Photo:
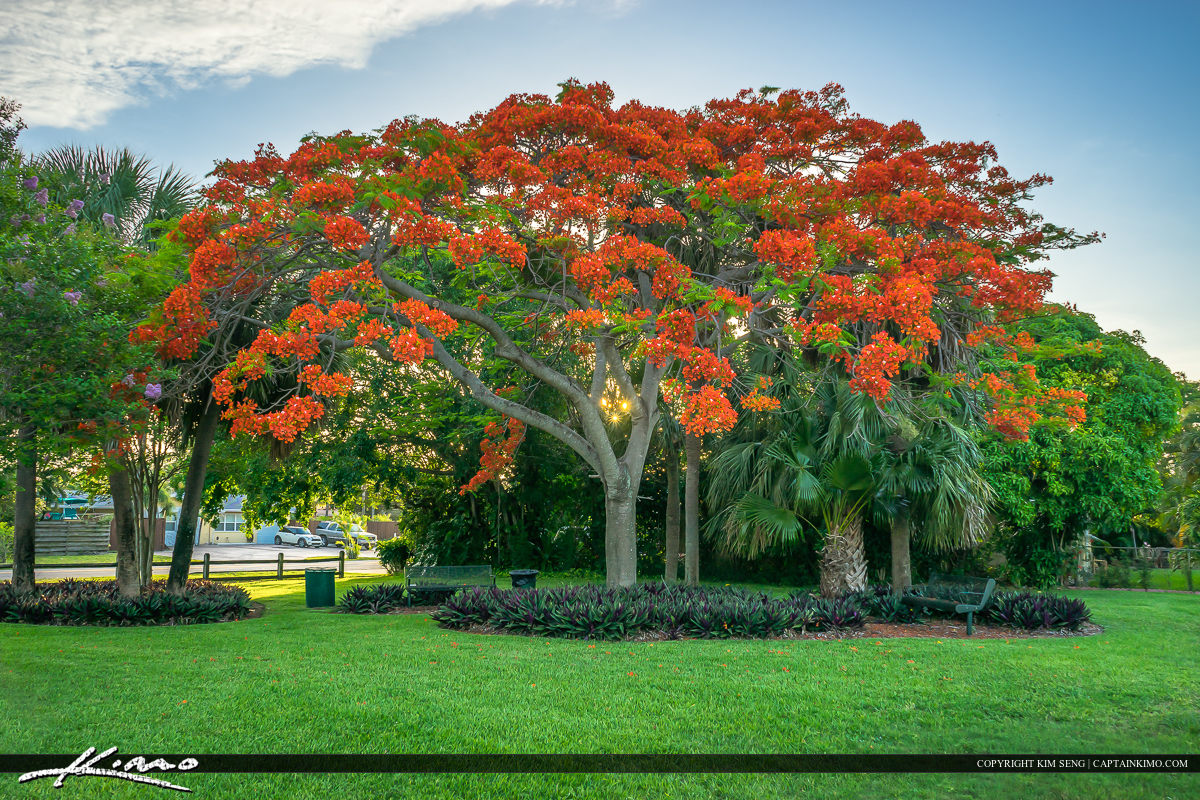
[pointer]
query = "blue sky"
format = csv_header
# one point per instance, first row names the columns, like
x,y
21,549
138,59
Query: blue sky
x,y
1102,96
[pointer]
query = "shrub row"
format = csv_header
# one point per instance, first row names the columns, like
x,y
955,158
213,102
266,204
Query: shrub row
x,y
594,612
77,602
881,603
378,599
384,597
1024,610
1031,611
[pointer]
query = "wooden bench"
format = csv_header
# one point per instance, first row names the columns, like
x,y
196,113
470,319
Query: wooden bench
x,y
959,594
445,579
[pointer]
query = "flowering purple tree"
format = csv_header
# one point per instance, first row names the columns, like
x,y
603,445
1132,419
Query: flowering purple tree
x,y
66,305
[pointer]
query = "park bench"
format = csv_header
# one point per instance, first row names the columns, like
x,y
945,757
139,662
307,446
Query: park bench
x,y
434,580
959,594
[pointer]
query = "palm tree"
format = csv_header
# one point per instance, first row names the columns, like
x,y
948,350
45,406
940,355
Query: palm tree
x,y
815,460
129,194
833,456
118,188
930,483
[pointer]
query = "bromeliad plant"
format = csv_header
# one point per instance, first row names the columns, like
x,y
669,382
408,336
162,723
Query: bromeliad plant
x,y
594,612
378,599
75,602
881,602
1032,611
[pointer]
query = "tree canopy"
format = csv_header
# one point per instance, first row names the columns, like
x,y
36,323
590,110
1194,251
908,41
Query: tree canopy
x,y
1059,483
615,255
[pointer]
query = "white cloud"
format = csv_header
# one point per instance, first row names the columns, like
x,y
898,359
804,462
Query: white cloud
x,y
70,63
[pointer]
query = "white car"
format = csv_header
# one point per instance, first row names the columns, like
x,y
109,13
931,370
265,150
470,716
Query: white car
x,y
294,534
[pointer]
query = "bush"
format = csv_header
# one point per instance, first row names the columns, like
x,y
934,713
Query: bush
x,y
597,612
6,542
394,554
879,601
378,599
1031,611
1115,575
1144,572
76,602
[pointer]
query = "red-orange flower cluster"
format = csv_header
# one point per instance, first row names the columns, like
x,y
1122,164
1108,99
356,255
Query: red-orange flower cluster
x,y
587,218
498,448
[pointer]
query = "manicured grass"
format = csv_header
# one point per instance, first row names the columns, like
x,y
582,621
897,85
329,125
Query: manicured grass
x,y
1174,579
300,681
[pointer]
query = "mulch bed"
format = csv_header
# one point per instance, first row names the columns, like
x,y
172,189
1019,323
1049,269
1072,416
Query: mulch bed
x,y
941,629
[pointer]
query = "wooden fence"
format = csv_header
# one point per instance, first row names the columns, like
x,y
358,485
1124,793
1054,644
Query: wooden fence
x,y
66,538
279,566
160,541
384,528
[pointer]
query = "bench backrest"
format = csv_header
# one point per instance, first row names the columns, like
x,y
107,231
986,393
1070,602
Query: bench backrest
x,y
960,588
480,575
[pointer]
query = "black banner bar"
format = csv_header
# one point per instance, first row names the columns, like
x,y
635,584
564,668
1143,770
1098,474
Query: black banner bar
x,y
626,763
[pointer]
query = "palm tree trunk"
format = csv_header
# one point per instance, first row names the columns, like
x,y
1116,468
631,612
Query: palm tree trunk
x,y
843,559
672,522
25,525
193,492
901,555
691,511
128,583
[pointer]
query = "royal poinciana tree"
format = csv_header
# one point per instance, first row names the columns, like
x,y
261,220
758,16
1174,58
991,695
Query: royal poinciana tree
x,y
586,245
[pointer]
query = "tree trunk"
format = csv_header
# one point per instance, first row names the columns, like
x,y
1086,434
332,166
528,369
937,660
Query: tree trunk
x,y
691,511
672,523
843,561
146,567
620,536
25,525
901,557
137,516
193,492
128,583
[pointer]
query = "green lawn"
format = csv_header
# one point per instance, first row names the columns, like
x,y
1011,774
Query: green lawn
x,y
299,680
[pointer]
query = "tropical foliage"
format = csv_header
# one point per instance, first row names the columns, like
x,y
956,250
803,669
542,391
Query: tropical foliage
x,y
74,602
1060,483
623,239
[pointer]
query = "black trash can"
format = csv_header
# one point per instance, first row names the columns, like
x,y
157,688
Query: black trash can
x,y
318,586
524,578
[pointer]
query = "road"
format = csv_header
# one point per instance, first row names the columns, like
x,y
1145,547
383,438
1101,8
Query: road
x,y
366,564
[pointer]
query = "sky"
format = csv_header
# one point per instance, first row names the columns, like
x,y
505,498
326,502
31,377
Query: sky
x,y
1102,96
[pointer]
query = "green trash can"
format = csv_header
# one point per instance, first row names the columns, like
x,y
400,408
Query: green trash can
x,y
318,586
523,578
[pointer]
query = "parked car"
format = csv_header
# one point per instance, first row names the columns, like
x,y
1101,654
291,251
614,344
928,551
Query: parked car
x,y
331,537
294,534
334,532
